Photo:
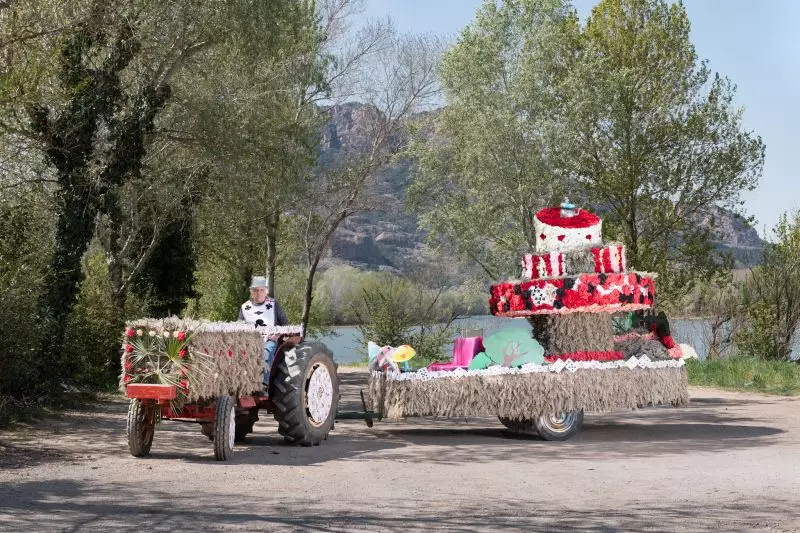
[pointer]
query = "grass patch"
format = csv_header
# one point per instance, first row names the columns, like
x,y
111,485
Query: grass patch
x,y
746,374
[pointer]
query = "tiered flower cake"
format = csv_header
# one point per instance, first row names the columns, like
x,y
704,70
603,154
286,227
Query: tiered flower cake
x,y
571,270
571,284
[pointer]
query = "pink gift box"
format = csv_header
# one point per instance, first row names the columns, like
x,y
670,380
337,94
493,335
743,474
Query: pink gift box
x,y
464,349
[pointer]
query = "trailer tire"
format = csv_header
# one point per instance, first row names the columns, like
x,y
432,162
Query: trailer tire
x,y
140,427
522,427
224,427
562,426
305,394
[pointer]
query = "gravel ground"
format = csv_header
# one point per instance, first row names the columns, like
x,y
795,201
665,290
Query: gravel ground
x,y
728,462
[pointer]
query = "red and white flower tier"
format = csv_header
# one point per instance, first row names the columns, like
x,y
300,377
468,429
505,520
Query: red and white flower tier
x,y
571,270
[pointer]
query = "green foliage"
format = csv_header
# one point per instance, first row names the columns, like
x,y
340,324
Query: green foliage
x,y
619,114
167,278
659,139
94,327
25,230
771,295
746,374
760,335
490,158
397,312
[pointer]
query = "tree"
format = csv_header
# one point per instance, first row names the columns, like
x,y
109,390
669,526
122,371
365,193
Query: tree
x,y
396,78
489,159
658,140
772,295
255,116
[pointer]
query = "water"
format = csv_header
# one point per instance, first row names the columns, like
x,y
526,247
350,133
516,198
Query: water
x,y
347,346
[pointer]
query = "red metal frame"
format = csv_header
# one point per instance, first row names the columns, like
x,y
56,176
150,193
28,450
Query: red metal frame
x,y
148,391
191,410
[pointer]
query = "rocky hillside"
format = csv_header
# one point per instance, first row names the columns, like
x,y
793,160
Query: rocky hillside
x,y
387,238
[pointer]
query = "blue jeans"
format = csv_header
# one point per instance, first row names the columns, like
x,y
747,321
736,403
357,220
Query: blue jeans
x,y
270,347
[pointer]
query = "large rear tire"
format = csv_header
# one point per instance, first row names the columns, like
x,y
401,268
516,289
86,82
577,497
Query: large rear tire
x,y
141,427
224,428
305,394
562,426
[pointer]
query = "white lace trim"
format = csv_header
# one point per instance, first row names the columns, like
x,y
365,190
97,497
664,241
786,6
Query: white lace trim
x,y
217,327
531,368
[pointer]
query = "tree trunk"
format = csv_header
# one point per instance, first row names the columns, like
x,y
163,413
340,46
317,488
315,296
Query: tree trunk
x,y
74,230
308,296
273,226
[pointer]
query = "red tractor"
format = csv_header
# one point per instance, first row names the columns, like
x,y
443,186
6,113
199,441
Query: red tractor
x,y
303,396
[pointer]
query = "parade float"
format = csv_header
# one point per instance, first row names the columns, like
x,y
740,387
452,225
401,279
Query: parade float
x,y
572,284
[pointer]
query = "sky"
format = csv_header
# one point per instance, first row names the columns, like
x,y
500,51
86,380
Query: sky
x,y
755,43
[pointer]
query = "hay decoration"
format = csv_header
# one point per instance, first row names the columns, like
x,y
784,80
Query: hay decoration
x,y
202,359
527,394
576,332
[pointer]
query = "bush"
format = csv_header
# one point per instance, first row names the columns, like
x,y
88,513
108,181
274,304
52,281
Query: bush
x,y
25,239
399,312
94,330
771,296
746,374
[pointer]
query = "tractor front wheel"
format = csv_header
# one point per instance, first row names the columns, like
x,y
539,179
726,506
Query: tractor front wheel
x,y
141,427
305,394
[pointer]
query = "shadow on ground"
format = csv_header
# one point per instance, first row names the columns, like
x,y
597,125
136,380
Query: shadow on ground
x,y
76,506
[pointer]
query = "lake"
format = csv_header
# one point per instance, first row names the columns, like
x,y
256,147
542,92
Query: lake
x,y
347,347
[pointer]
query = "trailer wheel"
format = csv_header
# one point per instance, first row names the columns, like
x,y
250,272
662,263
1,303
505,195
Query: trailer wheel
x,y
523,427
141,427
224,428
562,426
305,394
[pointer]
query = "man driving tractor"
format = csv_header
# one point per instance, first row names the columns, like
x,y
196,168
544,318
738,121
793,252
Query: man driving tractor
x,y
261,310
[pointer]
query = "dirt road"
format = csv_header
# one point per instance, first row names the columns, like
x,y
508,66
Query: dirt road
x,y
729,462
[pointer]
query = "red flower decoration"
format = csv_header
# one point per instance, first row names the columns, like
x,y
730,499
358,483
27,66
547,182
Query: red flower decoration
x,y
183,353
128,365
128,348
184,383
127,378
230,353
130,332
181,336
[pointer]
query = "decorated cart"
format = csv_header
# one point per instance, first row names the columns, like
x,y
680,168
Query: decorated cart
x,y
212,373
571,286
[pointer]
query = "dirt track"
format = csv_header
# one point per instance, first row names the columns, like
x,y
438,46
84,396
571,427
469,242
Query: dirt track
x,y
729,462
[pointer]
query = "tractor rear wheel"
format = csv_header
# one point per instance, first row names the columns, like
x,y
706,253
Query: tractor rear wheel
x,y
141,427
305,394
